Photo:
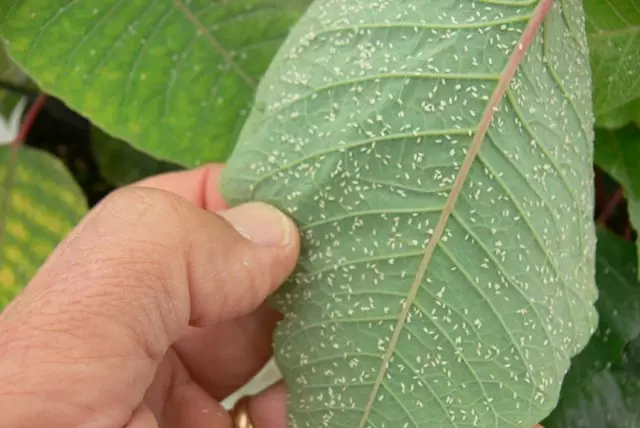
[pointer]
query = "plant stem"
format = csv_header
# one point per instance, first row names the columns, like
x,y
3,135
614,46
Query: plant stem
x,y
29,120
610,208
627,232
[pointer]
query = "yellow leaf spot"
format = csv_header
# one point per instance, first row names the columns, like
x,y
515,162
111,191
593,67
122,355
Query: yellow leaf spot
x,y
20,44
68,197
20,203
42,249
7,277
14,255
46,220
24,174
135,128
17,230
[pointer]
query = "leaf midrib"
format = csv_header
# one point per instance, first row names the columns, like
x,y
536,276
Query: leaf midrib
x,y
214,42
529,33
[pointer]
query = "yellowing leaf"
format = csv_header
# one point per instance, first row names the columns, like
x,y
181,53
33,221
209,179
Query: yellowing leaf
x,y
173,77
40,203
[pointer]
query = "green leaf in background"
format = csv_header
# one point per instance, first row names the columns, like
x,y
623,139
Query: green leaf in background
x,y
618,154
173,77
9,73
40,203
602,388
447,274
620,117
121,164
613,27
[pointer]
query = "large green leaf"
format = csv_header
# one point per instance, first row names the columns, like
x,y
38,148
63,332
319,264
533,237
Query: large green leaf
x,y
122,164
174,77
39,204
613,27
602,388
447,267
617,153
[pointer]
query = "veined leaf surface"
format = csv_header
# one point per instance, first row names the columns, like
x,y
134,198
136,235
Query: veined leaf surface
x,y
613,28
437,156
39,204
173,77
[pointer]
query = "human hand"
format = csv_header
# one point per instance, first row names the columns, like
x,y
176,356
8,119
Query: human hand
x,y
149,313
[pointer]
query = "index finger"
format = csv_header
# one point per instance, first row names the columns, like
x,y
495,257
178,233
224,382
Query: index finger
x,y
198,186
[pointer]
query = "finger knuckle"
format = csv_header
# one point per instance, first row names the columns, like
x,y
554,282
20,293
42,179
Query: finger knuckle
x,y
137,203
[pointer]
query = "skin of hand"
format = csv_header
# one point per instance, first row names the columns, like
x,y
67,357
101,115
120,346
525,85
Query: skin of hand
x,y
149,313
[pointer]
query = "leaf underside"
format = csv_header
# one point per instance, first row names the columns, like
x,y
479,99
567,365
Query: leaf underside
x,y
40,203
363,123
602,388
175,78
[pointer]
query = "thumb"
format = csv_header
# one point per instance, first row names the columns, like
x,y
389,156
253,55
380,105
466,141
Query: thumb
x,y
126,284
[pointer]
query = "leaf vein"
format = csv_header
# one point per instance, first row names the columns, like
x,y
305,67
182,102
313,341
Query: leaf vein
x,y
381,77
201,29
354,214
136,64
510,69
357,144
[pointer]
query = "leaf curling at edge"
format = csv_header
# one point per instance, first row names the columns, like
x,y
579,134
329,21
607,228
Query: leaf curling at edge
x,y
377,118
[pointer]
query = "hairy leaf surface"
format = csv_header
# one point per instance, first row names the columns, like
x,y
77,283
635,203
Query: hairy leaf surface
x,y
39,204
602,388
447,273
174,77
